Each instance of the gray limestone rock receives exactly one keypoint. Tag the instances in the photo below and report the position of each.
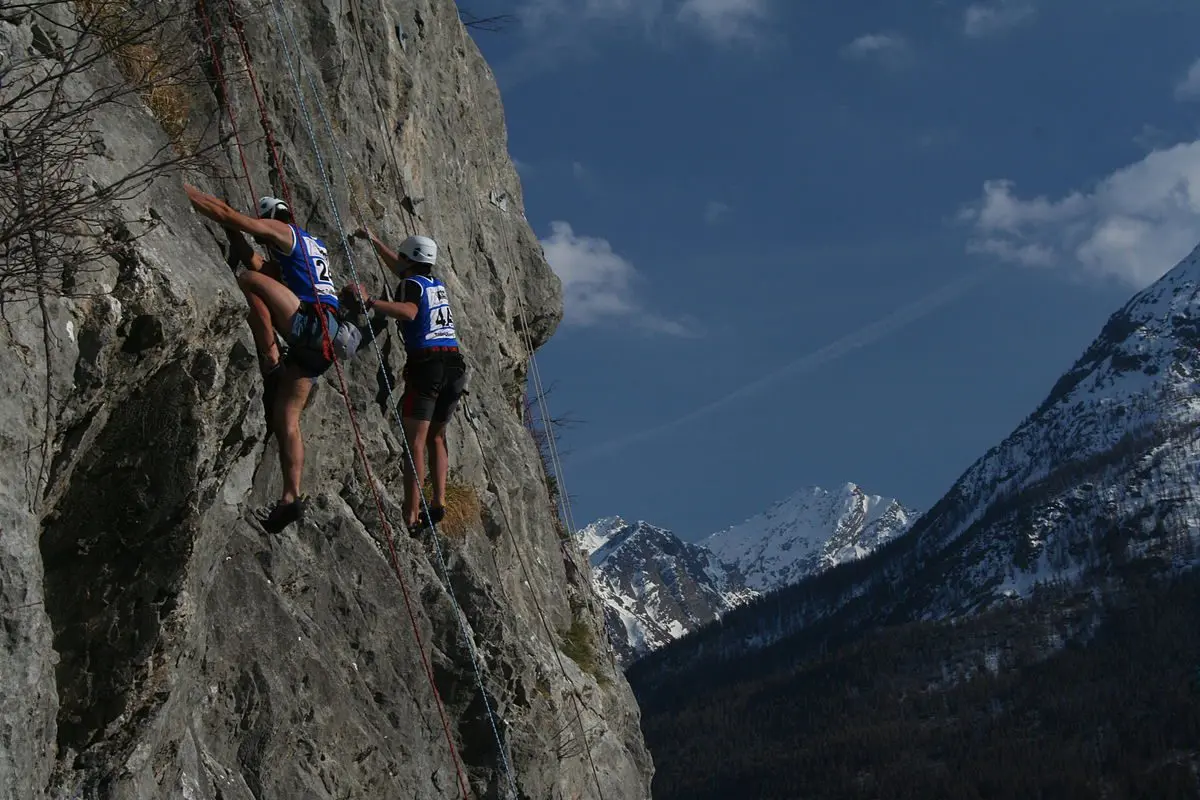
(157, 643)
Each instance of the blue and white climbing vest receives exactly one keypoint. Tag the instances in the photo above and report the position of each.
(434, 324)
(307, 259)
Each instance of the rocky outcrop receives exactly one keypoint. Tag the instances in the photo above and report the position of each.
(157, 643)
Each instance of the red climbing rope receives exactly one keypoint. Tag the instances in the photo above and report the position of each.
(361, 450)
(216, 58)
(236, 20)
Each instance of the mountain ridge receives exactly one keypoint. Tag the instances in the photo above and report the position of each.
(1098, 469)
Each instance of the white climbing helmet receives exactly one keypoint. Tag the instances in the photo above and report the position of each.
(420, 249)
(268, 207)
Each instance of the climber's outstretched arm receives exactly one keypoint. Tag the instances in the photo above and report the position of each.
(389, 256)
(270, 231)
(404, 307)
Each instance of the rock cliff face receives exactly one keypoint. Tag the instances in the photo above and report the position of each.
(157, 643)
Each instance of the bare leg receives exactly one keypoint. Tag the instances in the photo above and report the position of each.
(294, 388)
(439, 463)
(256, 285)
(415, 431)
(263, 330)
(272, 304)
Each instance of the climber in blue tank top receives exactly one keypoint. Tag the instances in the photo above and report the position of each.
(292, 294)
(433, 325)
(435, 372)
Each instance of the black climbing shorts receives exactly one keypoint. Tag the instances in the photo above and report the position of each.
(308, 349)
(433, 385)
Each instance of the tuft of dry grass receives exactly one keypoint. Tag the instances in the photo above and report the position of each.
(578, 645)
(171, 104)
(139, 55)
(463, 507)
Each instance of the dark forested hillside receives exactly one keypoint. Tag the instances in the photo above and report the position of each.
(1080, 695)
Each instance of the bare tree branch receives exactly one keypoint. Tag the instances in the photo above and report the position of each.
(492, 24)
(543, 431)
(57, 222)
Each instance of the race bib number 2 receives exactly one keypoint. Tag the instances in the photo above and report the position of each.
(318, 255)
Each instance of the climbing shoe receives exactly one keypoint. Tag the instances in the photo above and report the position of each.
(436, 515)
(279, 515)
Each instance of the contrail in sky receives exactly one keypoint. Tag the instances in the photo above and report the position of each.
(806, 363)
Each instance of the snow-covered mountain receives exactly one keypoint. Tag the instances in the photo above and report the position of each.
(657, 587)
(1098, 483)
(809, 532)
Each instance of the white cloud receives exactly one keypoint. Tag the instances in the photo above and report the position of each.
(578, 170)
(714, 211)
(981, 20)
(1188, 87)
(1133, 225)
(598, 284)
(889, 48)
(725, 20)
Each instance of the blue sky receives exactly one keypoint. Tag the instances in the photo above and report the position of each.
(810, 243)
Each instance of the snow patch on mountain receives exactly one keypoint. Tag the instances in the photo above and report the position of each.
(595, 536)
(809, 532)
(655, 587)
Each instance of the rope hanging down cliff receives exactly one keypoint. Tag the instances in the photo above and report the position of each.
(384, 522)
(225, 100)
(393, 403)
(506, 237)
(357, 432)
(556, 462)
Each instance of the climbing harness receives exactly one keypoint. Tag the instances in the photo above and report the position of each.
(385, 524)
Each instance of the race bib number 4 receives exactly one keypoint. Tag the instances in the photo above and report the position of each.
(441, 319)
